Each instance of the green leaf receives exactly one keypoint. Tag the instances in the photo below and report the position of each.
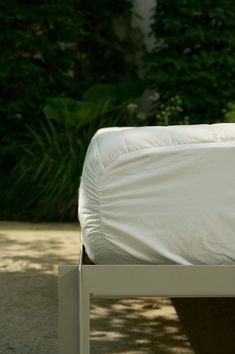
(129, 90)
(230, 114)
(70, 112)
(100, 92)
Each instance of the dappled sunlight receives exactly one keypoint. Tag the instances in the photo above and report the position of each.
(110, 336)
(29, 258)
(136, 325)
(40, 248)
(162, 325)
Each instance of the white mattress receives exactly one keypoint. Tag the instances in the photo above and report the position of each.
(160, 195)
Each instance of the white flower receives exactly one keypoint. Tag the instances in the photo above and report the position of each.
(155, 97)
(132, 107)
(179, 109)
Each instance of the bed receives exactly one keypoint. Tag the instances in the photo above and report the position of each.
(156, 208)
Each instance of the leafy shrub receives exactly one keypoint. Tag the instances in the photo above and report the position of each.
(44, 175)
(37, 57)
(230, 113)
(55, 49)
(51, 48)
(193, 58)
(107, 51)
(44, 183)
(37, 54)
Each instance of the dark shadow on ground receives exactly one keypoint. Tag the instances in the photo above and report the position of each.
(209, 323)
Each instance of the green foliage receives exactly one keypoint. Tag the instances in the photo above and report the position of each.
(51, 48)
(44, 183)
(51, 52)
(57, 48)
(69, 112)
(37, 57)
(193, 58)
(165, 113)
(37, 53)
(107, 52)
(100, 100)
(230, 113)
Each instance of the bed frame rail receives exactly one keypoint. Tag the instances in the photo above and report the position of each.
(78, 283)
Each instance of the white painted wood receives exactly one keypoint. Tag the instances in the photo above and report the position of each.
(85, 321)
(159, 280)
(78, 283)
(68, 309)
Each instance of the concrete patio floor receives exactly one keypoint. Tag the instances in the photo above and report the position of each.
(29, 258)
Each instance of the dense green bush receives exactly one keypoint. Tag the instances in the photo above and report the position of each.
(56, 48)
(44, 183)
(52, 49)
(193, 60)
(107, 51)
(37, 56)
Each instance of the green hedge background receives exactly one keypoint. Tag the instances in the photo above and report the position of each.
(71, 67)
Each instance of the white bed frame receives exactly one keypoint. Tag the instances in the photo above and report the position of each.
(77, 283)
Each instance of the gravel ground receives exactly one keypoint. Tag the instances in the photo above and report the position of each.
(29, 258)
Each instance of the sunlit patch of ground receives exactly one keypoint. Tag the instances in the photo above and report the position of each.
(27, 247)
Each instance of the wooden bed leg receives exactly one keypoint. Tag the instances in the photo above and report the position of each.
(68, 309)
(84, 316)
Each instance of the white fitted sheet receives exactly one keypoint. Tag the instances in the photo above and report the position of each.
(160, 195)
